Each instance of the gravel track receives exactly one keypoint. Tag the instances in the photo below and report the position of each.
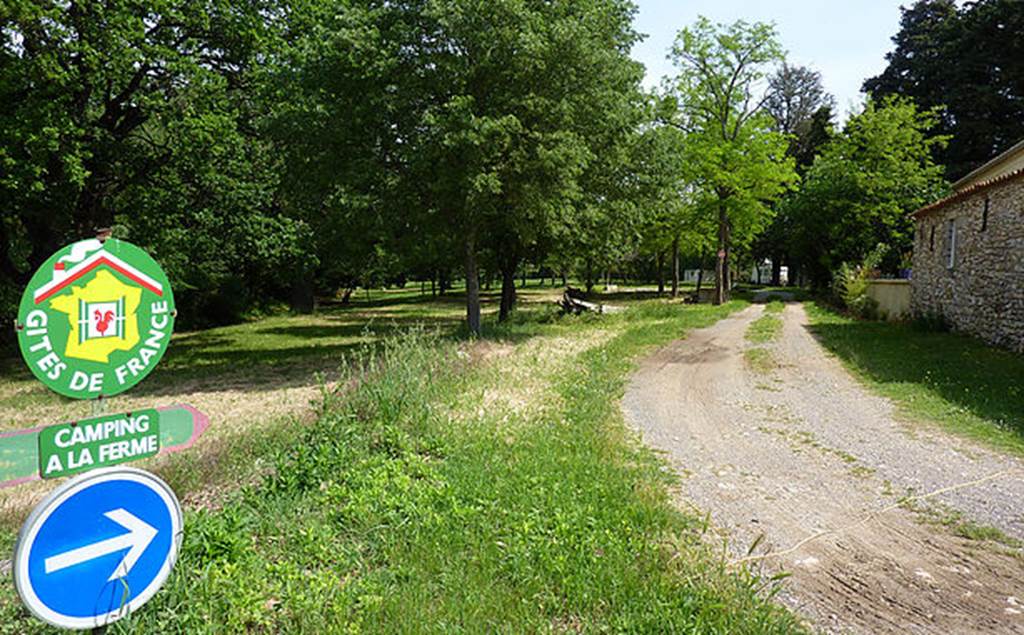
(805, 453)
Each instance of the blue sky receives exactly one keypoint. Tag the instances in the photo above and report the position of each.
(845, 40)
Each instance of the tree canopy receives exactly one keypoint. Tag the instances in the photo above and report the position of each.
(969, 60)
(281, 150)
(739, 161)
(861, 189)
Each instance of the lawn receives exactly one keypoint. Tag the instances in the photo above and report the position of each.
(441, 484)
(954, 380)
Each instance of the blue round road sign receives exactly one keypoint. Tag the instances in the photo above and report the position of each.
(98, 547)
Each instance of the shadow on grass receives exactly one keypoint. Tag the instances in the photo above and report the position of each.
(288, 352)
(765, 294)
(633, 296)
(984, 381)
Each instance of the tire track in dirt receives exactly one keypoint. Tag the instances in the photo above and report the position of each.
(805, 449)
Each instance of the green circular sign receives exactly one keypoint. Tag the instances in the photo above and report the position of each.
(95, 319)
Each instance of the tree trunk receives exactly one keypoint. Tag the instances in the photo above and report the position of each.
(722, 266)
(589, 282)
(776, 270)
(433, 288)
(524, 276)
(347, 296)
(508, 289)
(472, 287)
(661, 272)
(564, 283)
(302, 300)
(700, 271)
(675, 267)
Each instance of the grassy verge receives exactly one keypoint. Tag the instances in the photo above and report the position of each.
(967, 387)
(767, 327)
(483, 488)
(760, 360)
(764, 330)
(260, 375)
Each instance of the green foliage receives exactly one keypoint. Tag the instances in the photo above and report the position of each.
(447, 132)
(801, 109)
(739, 162)
(143, 115)
(968, 60)
(850, 284)
(861, 189)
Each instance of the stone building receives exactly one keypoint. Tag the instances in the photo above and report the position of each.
(969, 254)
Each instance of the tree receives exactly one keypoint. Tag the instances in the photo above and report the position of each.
(338, 132)
(141, 115)
(862, 188)
(802, 110)
(739, 160)
(517, 98)
(795, 95)
(968, 60)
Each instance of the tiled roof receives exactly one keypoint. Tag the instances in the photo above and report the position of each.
(968, 191)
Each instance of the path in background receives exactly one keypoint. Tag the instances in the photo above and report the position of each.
(803, 449)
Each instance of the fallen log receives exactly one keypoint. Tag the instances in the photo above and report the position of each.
(572, 302)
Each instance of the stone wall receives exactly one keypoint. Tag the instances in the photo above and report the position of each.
(983, 292)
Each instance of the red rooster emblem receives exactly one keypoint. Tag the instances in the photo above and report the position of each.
(103, 320)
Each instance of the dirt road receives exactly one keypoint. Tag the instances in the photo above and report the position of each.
(804, 460)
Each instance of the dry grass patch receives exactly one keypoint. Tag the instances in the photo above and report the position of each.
(521, 384)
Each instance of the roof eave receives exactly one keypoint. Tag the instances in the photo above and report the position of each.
(1002, 157)
(966, 192)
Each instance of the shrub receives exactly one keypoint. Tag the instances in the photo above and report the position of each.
(850, 284)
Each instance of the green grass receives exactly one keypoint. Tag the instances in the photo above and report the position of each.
(764, 330)
(767, 327)
(760, 360)
(956, 381)
(953, 520)
(413, 505)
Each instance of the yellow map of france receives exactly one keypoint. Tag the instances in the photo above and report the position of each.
(104, 287)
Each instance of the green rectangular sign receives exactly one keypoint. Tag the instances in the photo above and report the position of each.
(70, 448)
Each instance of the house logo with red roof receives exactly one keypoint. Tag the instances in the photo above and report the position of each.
(82, 264)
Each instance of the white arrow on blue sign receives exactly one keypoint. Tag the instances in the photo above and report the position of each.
(98, 547)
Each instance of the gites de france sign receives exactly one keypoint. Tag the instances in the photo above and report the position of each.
(95, 319)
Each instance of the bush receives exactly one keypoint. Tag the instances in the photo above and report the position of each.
(850, 285)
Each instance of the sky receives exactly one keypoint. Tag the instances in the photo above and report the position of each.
(845, 40)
